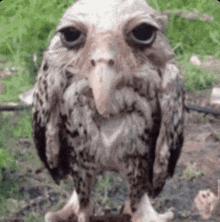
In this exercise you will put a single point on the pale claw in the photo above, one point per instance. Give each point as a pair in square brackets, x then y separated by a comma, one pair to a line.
[167, 216]
[146, 213]
[71, 212]
[60, 216]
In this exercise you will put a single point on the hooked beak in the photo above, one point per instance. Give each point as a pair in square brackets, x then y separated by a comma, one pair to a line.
[101, 82]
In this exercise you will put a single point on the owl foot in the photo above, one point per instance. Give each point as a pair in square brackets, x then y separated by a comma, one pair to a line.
[71, 212]
[146, 213]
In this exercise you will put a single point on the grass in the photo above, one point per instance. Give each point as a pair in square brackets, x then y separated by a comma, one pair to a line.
[6, 160]
[190, 172]
[103, 185]
[190, 37]
[26, 28]
[22, 129]
[197, 79]
[8, 188]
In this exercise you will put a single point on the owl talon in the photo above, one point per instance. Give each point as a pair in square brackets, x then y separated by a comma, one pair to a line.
[60, 217]
[146, 213]
[167, 216]
[71, 212]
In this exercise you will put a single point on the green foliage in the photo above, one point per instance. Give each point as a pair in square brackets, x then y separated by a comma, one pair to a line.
[103, 185]
[10, 197]
[191, 36]
[26, 28]
[197, 79]
[190, 172]
[14, 85]
[4, 160]
[24, 126]
[7, 187]
[35, 218]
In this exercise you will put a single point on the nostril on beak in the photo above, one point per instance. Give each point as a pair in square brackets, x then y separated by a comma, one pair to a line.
[111, 62]
[93, 62]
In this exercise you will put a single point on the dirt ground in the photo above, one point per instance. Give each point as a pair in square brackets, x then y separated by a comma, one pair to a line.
[198, 169]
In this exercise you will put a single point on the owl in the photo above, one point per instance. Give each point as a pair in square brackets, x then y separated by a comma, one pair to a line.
[109, 97]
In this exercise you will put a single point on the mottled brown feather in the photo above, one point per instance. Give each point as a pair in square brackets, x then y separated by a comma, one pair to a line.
[110, 103]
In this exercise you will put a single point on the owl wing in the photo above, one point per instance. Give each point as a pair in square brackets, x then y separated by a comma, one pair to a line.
[170, 139]
[48, 127]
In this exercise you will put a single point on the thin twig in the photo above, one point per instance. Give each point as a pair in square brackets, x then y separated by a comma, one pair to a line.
[189, 106]
[14, 107]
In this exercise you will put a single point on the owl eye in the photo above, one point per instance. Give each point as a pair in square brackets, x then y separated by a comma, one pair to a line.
[143, 34]
[71, 37]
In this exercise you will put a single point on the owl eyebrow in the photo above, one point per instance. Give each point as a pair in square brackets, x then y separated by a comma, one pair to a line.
[73, 23]
[135, 21]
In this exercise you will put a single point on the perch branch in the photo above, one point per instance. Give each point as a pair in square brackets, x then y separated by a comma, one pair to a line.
[189, 106]
[206, 110]
[17, 107]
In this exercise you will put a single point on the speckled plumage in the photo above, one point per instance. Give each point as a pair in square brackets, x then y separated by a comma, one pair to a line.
[106, 101]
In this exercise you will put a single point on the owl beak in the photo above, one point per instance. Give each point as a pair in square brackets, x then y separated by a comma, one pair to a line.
[101, 82]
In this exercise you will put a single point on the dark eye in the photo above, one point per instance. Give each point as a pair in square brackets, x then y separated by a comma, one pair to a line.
[71, 37]
[143, 34]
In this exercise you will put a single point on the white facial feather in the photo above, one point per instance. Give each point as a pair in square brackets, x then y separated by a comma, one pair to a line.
[110, 131]
[107, 15]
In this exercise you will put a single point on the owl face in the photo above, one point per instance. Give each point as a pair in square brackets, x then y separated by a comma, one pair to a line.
[111, 45]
